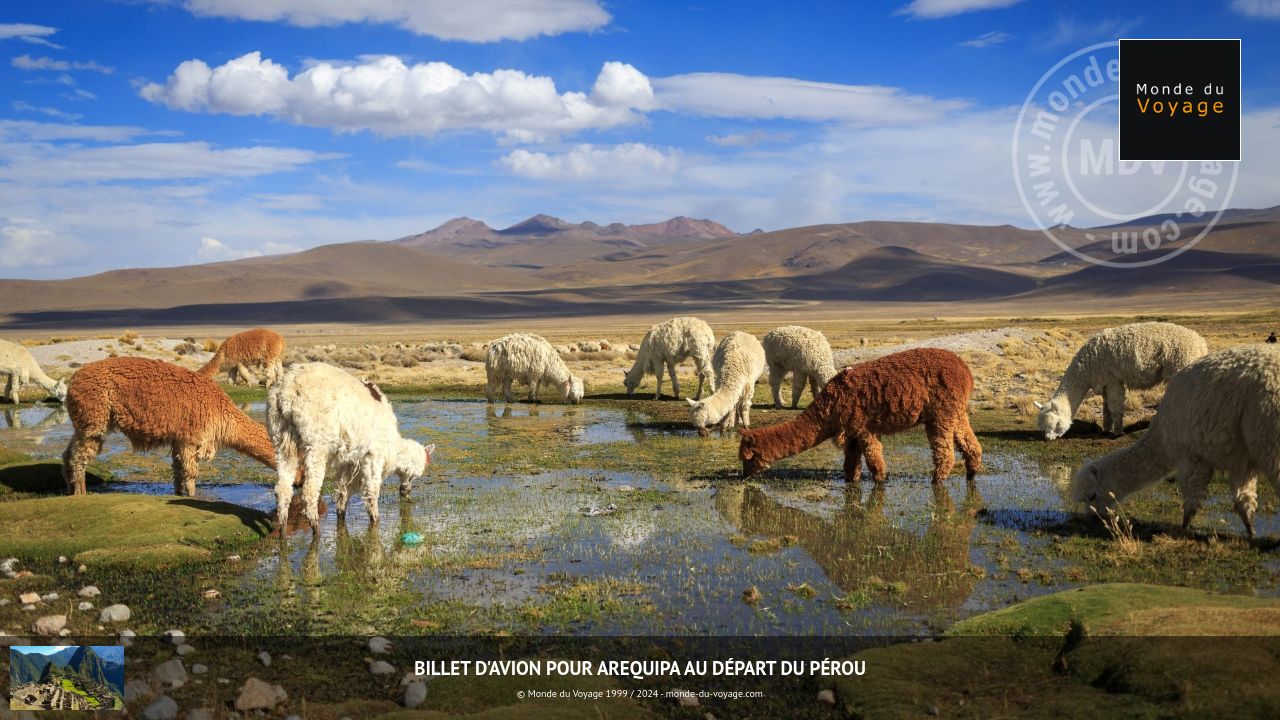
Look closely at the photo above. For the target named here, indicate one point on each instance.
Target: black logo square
(1180, 100)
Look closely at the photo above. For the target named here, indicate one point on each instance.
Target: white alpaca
(17, 363)
(531, 360)
(1129, 357)
(738, 363)
(802, 352)
(324, 418)
(668, 344)
(1221, 413)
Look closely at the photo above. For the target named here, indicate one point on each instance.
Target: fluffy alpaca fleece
(1136, 356)
(156, 404)
(17, 363)
(738, 363)
(1221, 413)
(804, 353)
(322, 417)
(259, 347)
(894, 393)
(531, 360)
(668, 344)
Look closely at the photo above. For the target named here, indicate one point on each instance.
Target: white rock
(84, 605)
(164, 708)
(415, 694)
(49, 597)
(175, 636)
(28, 608)
(4, 601)
(264, 657)
(83, 568)
(198, 669)
(29, 598)
(49, 624)
(258, 695)
(90, 591)
(64, 632)
(686, 699)
(185, 649)
(827, 697)
(114, 613)
(171, 673)
(379, 645)
(382, 667)
(62, 559)
(136, 689)
(9, 566)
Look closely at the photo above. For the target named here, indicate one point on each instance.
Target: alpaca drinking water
(668, 344)
(259, 347)
(738, 363)
(21, 368)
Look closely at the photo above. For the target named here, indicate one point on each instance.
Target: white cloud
(37, 131)
(34, 34)
(26, 62)
(289, 201)
(933, 9)
(1070, 31)
(43, 163)
(388, 97)
(750, 96)
(747, 139)
(624, 162)
(1258, 8)
(22, 106)
(987, 39)
(27, 245)
(475, 20)
(214, 250)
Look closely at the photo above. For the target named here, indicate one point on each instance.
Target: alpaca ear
(1039, 405)
(692, 403)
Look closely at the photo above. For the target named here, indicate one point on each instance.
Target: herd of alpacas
(1220, 411)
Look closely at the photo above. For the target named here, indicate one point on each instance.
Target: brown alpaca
(927, 387)
(259, 346)
(156, 404)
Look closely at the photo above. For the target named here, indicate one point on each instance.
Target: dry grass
(1120, 528)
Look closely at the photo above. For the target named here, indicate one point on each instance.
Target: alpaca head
(59, 391)
(752, 461)
(632, 381)
(1055, 417)
(573, 390)
(412, 459)
(700, 416)
(1092, 486)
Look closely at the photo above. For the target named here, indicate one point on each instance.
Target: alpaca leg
(11, 389)
(535, 386)
(245, 376)
(702, 380)
(776, 376)
(873, 451)
(675, 382)
(185, 469)
(815, 387)
(371, 477)
(797, 388)
(313, 471)
(853, 450)
(288, 474)
(1245, 488)
(944, 451)
(970, 448)
(1113, 397)
(342, 482)
(489, 389)
(658, 369)
(506, 390)
(1193, 485)
(744, 406)
(79, 452)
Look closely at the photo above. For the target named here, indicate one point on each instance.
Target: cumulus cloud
(589, 162)
(214, 250)
(44, 163)
(933, 9)
(387, 96)
(987, 39)
(34, 34)
(474, 21)
(28, 245)
(750, 96)
(1258, 8)
(26, 62)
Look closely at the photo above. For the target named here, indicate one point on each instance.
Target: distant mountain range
(545, 266)
(72, 662)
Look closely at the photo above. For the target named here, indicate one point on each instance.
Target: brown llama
(156, 404)
(259, 346)
(927, 387)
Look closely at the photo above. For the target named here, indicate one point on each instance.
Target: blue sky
(175, 131)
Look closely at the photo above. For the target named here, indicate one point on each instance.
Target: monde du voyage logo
(1124, 152)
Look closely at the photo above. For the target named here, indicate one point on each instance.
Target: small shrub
(210, 346)
(128, 337)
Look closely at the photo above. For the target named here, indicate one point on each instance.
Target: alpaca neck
(244, 435)
(1141, 464)
(214, 365)
(725, 398)
(37, 376)
(1073, 388)
(789, 438)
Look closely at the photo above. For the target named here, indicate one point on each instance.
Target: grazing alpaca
(802, 352)
(259, 346)
(532, 360)
(17, 363)
(885, 396)
(668, 344)
(322, 417)
(1221, 413)
(1136, 356)
(155, 404)
(738, 363)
